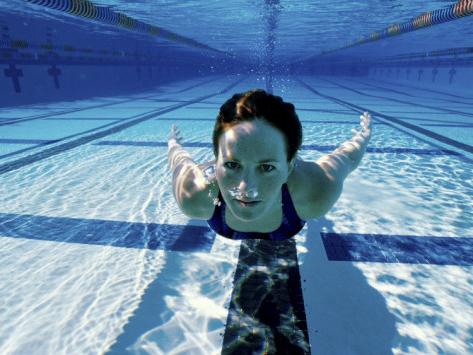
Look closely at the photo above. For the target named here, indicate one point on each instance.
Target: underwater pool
(96, 256)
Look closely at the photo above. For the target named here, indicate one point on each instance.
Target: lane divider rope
(87, 9)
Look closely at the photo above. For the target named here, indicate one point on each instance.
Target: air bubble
(209, 174)
(235, 192)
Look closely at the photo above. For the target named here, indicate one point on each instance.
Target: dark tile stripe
(323, 110)
(43, 116)
(26, 141)
(113, 103)
(432, 120)
(446, 125)
(408, 94)
(339, 122)
(102, 232)
(202, 83)
(95, 129)
(424, 89)
(153, 144)
(302, 121)
(433, 135)
(19, 163)
(266, 313)
(84, 119)
(185, 119)
(387, 150)
(321, 148)
(443, 109)
(406, 249)
(20, 151)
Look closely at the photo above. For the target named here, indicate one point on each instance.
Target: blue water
(95, 255)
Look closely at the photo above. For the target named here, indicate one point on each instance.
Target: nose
(247, 182)
(248, 186)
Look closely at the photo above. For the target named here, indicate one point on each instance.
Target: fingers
(174, 129)
(365, 120)
(365, 123)
(365, 116)
(175, 133)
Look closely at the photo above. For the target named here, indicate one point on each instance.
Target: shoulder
(313, 190)
(198, 202)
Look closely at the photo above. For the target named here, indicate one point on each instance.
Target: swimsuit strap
(291, 223)
(290, 226)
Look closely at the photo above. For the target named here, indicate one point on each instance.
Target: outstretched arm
(188, 180)
(346, 158)
(177, 156)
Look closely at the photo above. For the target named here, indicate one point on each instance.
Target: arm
(188, 180)
(346, 158)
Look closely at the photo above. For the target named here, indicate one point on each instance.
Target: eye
(267, 168)
(230, 165)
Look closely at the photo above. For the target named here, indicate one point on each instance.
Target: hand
(175, 134)
(365, 123)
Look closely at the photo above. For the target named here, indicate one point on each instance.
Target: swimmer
(257, 186)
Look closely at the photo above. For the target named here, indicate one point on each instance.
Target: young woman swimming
(257, 187)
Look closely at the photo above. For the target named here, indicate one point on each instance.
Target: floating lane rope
(86, 9)
(461, 9)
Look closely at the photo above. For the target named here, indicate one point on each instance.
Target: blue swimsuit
(290, 226)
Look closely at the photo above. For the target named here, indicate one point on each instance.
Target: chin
(245, 213)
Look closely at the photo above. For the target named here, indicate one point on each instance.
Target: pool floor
(95, 256)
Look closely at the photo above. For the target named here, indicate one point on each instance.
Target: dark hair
(257, 103)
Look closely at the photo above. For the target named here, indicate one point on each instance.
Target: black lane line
(27, 141)
(447, 125)
(433, 135)
(87, 118)
(302, 121)
(16, 152)
(432, 119)
(90, 130)
(30, 118)
(266, 313)
(340, 122)
(468, 114)
(212, 103)
(406, 249)
(313, 147)
(186, 119)
(36, 117)
(378, 87)
(425, 113)
(197, 85)
(164, 100)
(120, 234)
(404, 93)
(423, 89)
(17, 164)
(322, 110)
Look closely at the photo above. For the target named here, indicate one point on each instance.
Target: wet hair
(258, 104)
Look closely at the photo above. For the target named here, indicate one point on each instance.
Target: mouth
(248, 203)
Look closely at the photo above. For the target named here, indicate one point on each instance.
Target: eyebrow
(261, 161)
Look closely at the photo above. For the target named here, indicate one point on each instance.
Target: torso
(295, 185)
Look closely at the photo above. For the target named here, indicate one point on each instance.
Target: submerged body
(289, 226)
(264, 190)
(291, 209)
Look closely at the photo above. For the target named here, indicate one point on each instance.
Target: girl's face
(252, 156)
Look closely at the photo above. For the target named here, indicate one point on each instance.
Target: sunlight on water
(196, 311)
